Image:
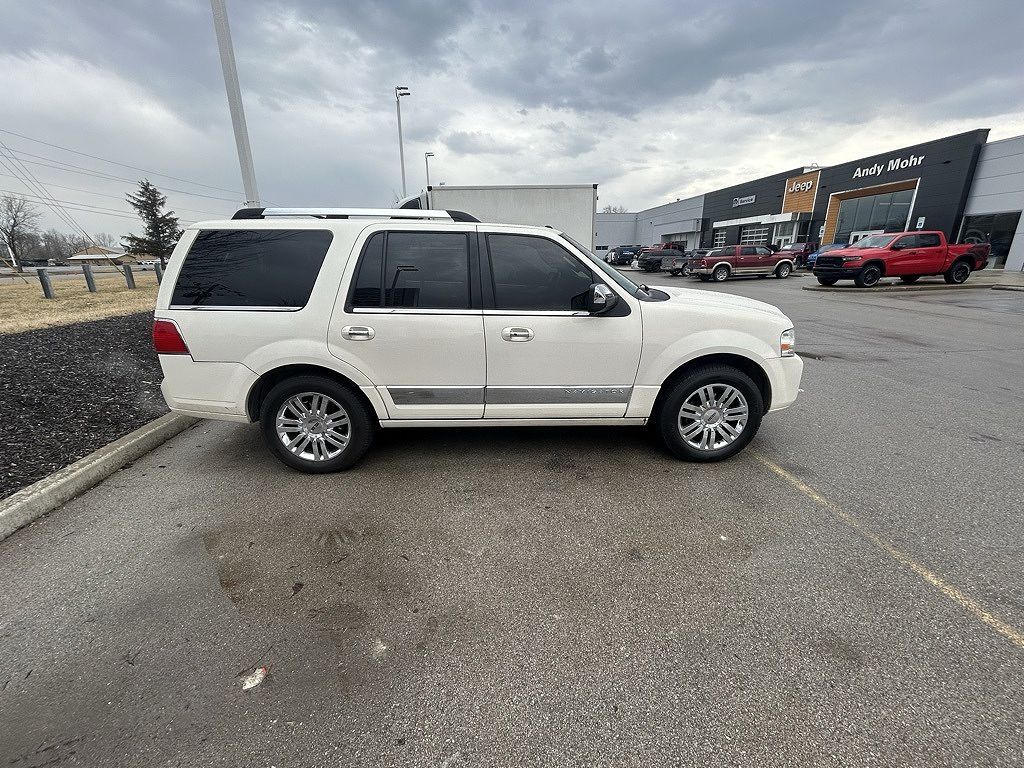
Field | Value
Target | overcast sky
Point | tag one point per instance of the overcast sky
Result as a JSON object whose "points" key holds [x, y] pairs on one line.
{"points": [[650, 100]]}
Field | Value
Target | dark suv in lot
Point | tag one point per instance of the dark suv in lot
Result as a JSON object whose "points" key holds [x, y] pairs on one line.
{"points": [[622, 254]]}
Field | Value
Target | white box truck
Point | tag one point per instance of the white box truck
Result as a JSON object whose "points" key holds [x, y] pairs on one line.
{"points": [[569, 208]]}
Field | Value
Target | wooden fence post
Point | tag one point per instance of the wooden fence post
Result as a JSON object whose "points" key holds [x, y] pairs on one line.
{"points": [[44, 279], [89, 280]]}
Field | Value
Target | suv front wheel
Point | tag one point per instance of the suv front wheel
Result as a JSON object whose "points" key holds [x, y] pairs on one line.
{"points": [[314, 424], [710, 414]]}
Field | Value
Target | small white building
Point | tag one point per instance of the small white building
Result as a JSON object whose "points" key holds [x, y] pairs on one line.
{"points": [[100, 254]]}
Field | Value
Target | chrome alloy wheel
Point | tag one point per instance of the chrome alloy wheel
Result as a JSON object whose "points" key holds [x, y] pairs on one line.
{"points": [[313, 426], [713, 417]]}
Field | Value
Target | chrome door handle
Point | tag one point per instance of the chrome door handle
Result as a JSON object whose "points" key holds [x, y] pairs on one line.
{"points": [[357, 332], [516, 334]]}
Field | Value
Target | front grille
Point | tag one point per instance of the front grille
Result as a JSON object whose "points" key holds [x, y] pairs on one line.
{"points": [[829, 261]]}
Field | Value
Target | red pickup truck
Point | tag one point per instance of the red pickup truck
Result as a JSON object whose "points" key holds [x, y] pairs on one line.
{"points": [[906, 255]]}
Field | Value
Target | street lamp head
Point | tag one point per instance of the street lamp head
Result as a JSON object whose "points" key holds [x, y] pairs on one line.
{"points": [[428, 154], [401, 90]]}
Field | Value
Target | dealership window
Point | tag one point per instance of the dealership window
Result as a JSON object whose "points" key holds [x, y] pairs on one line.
{"points": [[887, 212], [719, 240], [996, 229], [784, 233], [756, 234]]}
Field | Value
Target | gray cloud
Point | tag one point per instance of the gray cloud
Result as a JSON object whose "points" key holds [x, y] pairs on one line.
{"points": [[653, 101]]}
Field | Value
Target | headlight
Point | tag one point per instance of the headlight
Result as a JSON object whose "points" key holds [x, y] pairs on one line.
{"points": [[787, 344]]}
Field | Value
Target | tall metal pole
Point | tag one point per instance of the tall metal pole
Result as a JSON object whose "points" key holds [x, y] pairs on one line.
{"points": [[400, 91], [227, 62], [426, 162]]}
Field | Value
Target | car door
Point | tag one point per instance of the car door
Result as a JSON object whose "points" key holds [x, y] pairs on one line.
{"points": [[547, 356], [906, 257], [932, 255], [766, 259], [746, 261], [412, 320]]}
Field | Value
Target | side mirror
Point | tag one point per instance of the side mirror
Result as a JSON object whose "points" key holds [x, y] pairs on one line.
{"points": [[601, 298]]}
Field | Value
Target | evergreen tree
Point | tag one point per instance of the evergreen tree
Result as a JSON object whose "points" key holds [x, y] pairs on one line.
{"points": [[161, 227]]}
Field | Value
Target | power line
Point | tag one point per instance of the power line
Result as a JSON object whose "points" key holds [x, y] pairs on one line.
{"points": [[69, 167], [84, 208], [112, 197], [115, 162], [12, 165]]}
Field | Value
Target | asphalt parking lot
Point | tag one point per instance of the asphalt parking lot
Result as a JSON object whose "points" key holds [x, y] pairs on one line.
{"points": [[848, 591]]}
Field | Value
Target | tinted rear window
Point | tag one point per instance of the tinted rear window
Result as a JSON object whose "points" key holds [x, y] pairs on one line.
{"points": [[251, 268]]}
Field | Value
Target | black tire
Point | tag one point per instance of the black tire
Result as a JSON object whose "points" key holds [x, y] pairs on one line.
{"points": [[360, 428], [783, 270], [908, 279], [674, 272], [720, 274], [958, 273], [704, 278], [668, 416], [822, 280], [869, 276]]}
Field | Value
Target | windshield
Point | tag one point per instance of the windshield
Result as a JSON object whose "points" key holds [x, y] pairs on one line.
{"points": [[607, 269], [875, 241]]}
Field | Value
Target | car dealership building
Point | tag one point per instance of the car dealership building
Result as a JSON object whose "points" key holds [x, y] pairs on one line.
{"points": [[970, 188]]}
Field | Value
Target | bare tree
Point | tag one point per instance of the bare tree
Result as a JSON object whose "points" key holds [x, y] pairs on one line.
{"points": [[614, 209], [105, 239], [18, 220]]}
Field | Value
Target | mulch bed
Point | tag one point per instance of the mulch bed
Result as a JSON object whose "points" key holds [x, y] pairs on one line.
{"points": [[66, 391]]}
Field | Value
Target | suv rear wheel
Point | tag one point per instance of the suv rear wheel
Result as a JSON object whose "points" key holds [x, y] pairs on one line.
{"points": [[710, 414], [783, 270], [314, 424], [720, 274], [868, 277]]}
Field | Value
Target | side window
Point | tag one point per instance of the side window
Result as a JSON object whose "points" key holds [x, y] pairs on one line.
{"points": [[251, 268], [762, 251], [426, 270], [748, 250], [369, 278], [536, 273], [910, 241], [928, 241]]}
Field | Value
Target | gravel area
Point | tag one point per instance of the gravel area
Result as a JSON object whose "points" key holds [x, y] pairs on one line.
{"points": [[66, 391]]}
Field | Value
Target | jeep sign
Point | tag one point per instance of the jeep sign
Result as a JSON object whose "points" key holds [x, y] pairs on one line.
{"points": [[801, 186]]}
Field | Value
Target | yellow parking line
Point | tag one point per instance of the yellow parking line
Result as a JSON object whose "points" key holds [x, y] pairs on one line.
{"points": [[1011, 633]]}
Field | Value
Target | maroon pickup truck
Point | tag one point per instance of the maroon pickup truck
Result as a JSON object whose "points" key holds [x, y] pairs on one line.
{"points": [[906, 255]]}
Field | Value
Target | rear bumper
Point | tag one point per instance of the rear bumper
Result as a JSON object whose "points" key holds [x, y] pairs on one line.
{"points": [[206, 390], [784, 374]]}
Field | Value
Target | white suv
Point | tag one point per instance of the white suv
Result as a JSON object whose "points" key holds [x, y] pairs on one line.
{"points": [[323, 324]]}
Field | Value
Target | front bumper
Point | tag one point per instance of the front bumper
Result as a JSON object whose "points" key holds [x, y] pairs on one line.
{"points": [[839, 273], [784, 374]]}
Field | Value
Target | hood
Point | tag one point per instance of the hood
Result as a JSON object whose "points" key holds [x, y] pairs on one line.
{"points": [[715, 300]]}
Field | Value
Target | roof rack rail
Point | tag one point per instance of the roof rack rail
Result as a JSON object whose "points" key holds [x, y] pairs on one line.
{"points": [[351, 213]]}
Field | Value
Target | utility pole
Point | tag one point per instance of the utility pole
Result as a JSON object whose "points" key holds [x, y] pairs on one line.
{"points": [[227, 62], [400, 91]]}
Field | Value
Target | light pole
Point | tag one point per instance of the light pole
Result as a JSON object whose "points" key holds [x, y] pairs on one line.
{"points": [[227, 62], [426, 162], [400, 91]]}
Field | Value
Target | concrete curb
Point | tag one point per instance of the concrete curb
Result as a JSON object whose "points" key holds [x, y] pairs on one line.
{"points": [[52, 491], [896, 288], [1008, 287]]}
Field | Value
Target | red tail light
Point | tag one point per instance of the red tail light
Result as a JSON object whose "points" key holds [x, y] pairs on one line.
{"points": [[167, 338]]}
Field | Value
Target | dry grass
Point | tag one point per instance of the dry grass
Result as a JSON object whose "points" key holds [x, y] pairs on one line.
{"points": [[23, 308]]}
